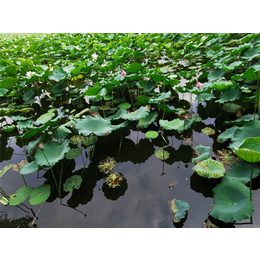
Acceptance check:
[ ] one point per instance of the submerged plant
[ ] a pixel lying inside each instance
(114, 180)
(107, 165)
(227, 157)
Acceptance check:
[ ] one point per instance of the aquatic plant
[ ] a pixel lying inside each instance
(107, 165)
(114, 180)
(162, 154)
(178, 209)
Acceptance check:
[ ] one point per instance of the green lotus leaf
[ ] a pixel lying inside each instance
(230, 94)
(45, 117)
(119, 114)
(178, 209)
(8, 82)
(175, 124)
(29, 168)
(52, 153)
(242, 120)
(216, 74)
(61, 132)
(162, 154)
(124, 105)
(250, 129)
(232, 201)
(231, 107)
(3, 92)
(210, 169)
(91, 140)
(5, 169)
(142, 100)
(27, 95)
(208, 131)
(8, 128)
(72, 182)
(222, 85)
(40, 194)
(205, 97)
(160, 97)
(58, 74)
(136, 115)
(166, 108)
(94, 125)
(73, 153)
(204, 153)
(20, 196)
(249, 150)
(242, 172)
(134, 67)
(151, 134)
(144, 122)
(251, 53)
(227, 134)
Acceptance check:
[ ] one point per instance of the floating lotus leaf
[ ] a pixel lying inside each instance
(242, 120)
(231, 107)
(151, 134)
(205, 97)
(208, 131)
(144, 122)
(20, 196)
(160, 97)
(178, 209)
(5, 169)
(204, 153)
(230, 94)
(227, 134)
(249, 150)
(52, 153)
(232, 201)
(40, 194)
(91, 140)
(216, 74)
(124, 105)
(242, 172)
(29, 168)
(162, 154)
(72, 182)
(73, 153)
(61, 133)
(139, 113)
(119, 126)
(94, 125)
(250, 129)
(175, 124)
(210, 169)
(119, 114)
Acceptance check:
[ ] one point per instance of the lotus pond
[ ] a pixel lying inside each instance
(130, 130)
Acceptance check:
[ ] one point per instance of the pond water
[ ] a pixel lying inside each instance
(142, 199)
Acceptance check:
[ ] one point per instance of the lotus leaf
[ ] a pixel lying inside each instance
(204, 153)
(40, 194)
(230, 94)
(124, 105)
(250, 129)
(151, 134)
(175, 124)
(227, 134)
(231, 107)
(208, 131)
(29, 168)
(222, 85)
(251, 53)
(249, 150)
(94, 125)
(91, 140)
(166, 108)
(144, 122)
(72, 182)
(205, 97)
(61, 133)
(20, 196)
(8, 128)
(178, 209)
(51, 153)
(216, 74)
(5, 169)
(210, 169)
(73, 153)
(162, 154)
(242, 172)
(139, 113)
(160, 97)
(119, 114)
(232, 201)
(242, 120)
(134, 67)
(58, 74)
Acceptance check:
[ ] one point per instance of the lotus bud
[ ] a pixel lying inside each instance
(123, 73)
(199, 85)
(40, 146)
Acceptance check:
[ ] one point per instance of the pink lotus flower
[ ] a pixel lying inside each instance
(199, 85)
(123, 73)
(40, 146)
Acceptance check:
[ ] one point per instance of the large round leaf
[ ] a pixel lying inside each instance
(249, 150)
(136, 115)
(232, 201)
(204, 153)
(151, 134)
(72, 182)
(94, 125)
(144, 122)
(40, 194)
(73, 153)
(230, 94)
(162, 154)
(20, 196)
(52, 153)
(210, 169)
(29, 168)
